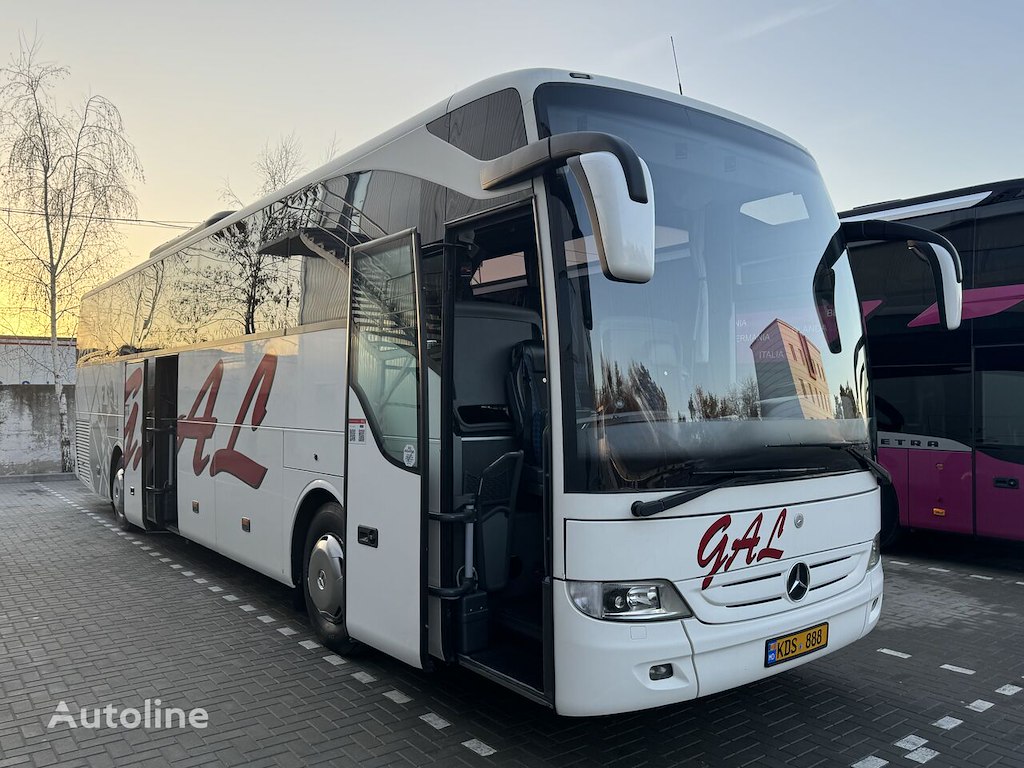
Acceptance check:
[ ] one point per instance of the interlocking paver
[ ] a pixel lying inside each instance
(114, 624)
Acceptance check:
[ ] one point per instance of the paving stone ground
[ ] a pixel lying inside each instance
(91, 617)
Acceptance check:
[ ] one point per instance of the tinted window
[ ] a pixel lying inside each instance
(486, 128)
(933, 401)
(1000, 385)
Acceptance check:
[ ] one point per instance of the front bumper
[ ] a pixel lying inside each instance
(603, 667)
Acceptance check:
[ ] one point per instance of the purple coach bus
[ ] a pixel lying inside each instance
(949, 406)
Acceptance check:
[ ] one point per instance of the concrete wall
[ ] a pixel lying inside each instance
(27, 360)
(30, 428)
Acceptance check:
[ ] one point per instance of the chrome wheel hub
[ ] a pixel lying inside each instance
(326, 583)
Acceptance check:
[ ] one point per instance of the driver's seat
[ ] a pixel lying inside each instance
(528, 407)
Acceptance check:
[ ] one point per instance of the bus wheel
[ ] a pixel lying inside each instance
(323, 577)
(891, 531)
(117, 500)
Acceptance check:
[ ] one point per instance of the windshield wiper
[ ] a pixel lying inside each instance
(653, 507)
(853, 449)
(728, 479)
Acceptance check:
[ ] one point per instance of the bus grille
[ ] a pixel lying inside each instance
(82, 448)
(761, 590)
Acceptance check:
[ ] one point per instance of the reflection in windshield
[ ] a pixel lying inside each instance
(720, 360)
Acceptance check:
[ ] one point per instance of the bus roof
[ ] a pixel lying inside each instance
(939, 202)
(525, 81)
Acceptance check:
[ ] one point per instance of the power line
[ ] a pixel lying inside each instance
(165, 224)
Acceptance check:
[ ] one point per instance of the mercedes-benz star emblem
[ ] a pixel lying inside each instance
(799, 520)
(798, 581)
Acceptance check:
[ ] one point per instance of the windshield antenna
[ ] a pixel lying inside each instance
(676, 61)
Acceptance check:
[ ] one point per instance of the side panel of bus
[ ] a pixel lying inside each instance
(260, 420)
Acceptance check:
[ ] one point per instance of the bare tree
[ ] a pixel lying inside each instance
(67, 176)
(276, 165)
(257, 280)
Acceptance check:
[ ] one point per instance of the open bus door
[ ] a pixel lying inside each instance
(386, 475)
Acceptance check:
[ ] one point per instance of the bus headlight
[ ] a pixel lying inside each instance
(633, 601)
(876, 551)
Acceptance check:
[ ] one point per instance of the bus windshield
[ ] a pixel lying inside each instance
(719, 367)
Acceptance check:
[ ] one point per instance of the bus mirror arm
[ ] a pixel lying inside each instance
(533, 159)
(930, 246)
(616, 186)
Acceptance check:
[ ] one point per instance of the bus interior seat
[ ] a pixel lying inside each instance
(528, 408)
(495, 504)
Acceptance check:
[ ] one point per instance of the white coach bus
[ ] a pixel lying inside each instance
(561, 380)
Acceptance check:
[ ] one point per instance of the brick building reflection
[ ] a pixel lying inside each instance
(790, 376)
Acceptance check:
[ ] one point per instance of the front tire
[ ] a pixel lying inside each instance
(323, 577)
(891, 532)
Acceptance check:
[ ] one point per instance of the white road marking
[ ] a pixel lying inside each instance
(1009, 690)
(335, 659)
(922, 755)
(983, 578)
(176, 566)
(216, 589)
(897, 654)
(199, 581)
(435, 721)
(959, 670)
(947, 723)
(980, 705)
(287, 631)
(309, 645)
(154, 554)
(938, 570)
(247, 608)
(364, 677)
(266, 619)
(165, 559)
(397, 696)
(188, 573)
(896, 562)
(910, 742)
(230, 598)
(475, 745)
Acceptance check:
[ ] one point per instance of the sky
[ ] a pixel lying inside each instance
(894, 98)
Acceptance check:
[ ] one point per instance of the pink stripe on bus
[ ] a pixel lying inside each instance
(978, 302)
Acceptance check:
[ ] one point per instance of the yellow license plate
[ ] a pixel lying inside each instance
(780, 649)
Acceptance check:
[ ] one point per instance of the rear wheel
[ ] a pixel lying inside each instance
(117, 499)
(323, 577)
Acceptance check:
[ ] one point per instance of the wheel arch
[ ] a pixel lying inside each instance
(314, 496)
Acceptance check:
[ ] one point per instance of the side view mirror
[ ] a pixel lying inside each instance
(927, 245)
(623, 228)
(616, 185)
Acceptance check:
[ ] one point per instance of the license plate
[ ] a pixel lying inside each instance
(780, 649)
